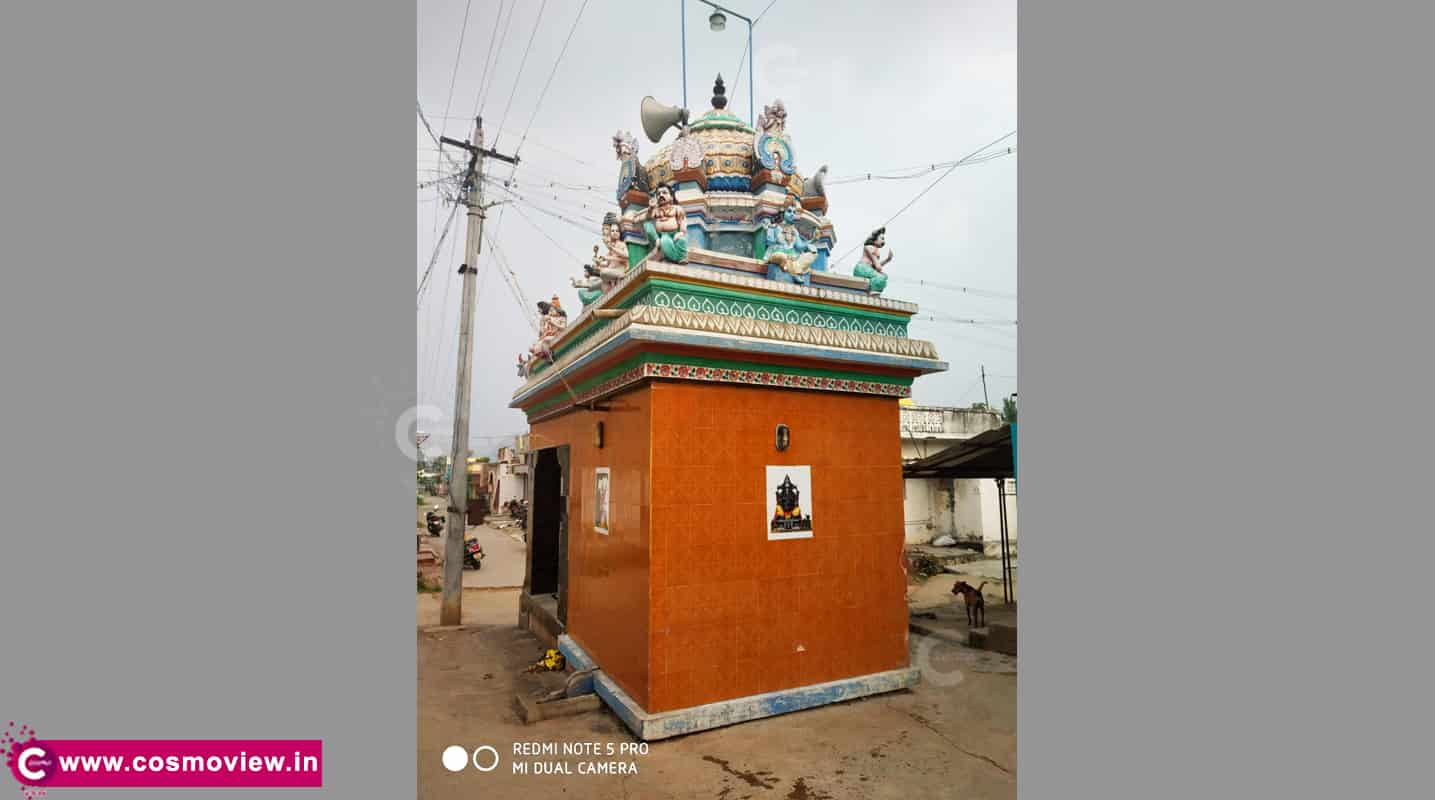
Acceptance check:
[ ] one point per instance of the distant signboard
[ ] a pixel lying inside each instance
(921, 420)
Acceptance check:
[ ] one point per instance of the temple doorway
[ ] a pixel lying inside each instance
(548, 538)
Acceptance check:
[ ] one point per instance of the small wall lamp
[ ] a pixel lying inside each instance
(784, 437)
(598, 434)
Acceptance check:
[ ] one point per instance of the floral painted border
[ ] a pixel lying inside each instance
(748, 377)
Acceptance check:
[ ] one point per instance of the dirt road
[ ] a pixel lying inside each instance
(952, 736)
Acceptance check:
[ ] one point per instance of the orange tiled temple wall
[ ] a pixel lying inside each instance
(608, 575)
(686, 601)
(734, 614)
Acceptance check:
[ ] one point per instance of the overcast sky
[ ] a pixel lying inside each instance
(869, 87)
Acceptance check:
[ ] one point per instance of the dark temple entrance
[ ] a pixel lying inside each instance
(544, 602)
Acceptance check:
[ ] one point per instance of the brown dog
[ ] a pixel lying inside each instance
(976, 606)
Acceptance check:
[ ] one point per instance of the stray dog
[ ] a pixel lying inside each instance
(976, 607)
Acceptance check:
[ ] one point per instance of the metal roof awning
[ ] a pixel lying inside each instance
(986, 455)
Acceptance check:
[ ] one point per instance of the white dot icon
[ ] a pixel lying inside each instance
(455, 758)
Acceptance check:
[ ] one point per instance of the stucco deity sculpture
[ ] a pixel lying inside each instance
(771, 145)
(631, 174)
(789, 256)
(665, 227)
(551, 322)
(616, 255)
(590, 286)
(773, 120)
(872, 262)
(597, 278)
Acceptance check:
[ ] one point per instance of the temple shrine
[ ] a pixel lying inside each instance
(716, 479)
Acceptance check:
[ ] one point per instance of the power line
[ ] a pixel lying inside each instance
(742, 60)
(573, 205)
(481, 102)
(510, 278)
(432, 135)
(423, 282)
(519, 77)
(556, 150)
(929, 186)
(483, 76)
(551, 73)
(955, 288)
(541, 144)
(437, 329)
(947, 332)
(457, 58)
(462, 33)
(940, 317)
(545, 234)
(908, 173)
(523, 304)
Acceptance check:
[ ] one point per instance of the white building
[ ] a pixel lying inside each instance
(512, 475)
(966, 509)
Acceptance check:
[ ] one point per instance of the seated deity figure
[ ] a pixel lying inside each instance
(789, 256)
(590, 286)
(872, 262)
(616, 257)
(551, 322)
(597, 279)
(665, 227)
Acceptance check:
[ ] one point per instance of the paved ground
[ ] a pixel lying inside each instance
(937, 591)
(952, 736)
(504, 554)
(937, 611)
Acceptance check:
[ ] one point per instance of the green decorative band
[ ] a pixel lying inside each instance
(755, 305)
(695, 368)
(748, 288)
(662, 293)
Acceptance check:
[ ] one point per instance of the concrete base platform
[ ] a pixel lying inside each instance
(663, 725)
(650, 727)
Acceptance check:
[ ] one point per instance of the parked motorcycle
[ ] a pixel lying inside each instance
(518, 509)
(472, 554)
(434, 520)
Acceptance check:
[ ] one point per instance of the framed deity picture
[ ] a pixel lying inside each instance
(789, 502)
(601, 491)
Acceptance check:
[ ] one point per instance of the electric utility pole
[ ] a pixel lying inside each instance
(452, 611)
(986, 401)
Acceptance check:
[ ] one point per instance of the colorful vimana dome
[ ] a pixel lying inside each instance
(733, 181)
(722, 202)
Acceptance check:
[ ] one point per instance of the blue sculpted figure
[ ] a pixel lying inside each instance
(789, 256)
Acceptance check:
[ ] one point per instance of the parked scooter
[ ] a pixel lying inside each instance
(518, 509)
(472, 554)
(434, 520)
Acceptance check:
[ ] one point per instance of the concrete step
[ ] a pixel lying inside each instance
(996, 637)
(948, 556)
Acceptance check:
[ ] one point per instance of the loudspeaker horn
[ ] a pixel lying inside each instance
(657, 118)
